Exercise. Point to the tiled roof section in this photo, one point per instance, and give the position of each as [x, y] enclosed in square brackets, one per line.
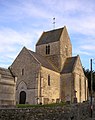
[69, 65]
[5, 72]
[50, 36]
[44, 62]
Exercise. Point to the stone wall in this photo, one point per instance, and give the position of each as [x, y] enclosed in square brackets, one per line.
[54, 55]
[59, 50]
[7, 88]
[65, 46]
[54, 49]
[67, 87]
[80, 82]
[73, 112]
[26, 69]
[50, 92]
[25, 62]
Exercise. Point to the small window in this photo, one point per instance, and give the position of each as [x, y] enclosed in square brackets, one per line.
[66, 50]
[48, 80]
[48, 49]
[22, 72]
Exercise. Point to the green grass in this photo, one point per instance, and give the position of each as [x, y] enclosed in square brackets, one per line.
[46, 105]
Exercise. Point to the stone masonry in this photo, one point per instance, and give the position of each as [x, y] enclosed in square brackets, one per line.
[51, 74]
[70, 112]
[7, 87]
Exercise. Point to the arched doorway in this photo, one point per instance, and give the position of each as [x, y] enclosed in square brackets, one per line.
[22, 99]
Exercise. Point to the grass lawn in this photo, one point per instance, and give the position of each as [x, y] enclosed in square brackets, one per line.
[46, 105]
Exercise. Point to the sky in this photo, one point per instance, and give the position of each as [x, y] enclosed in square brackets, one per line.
[23, 21]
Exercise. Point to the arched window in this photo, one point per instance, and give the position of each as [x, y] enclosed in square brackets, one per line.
[48, 80]
[22, 72]
[48, 49]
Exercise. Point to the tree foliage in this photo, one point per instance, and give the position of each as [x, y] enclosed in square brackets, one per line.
[87, 73]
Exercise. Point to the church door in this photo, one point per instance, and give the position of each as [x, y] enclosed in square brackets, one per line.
[22, 97]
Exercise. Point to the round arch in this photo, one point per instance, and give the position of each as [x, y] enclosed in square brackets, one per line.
[22, 97]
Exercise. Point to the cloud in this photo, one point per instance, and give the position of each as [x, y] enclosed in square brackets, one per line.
[11, 42]
[10, 37]
[77, 14]
[84, 45]
[80, 51]
[88, 47]
[22, 10]
[22, 22]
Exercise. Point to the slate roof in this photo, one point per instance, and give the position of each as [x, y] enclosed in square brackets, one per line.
[67, 68]
[69, 65]
[43, 61]
[5, 72]
[50, 36]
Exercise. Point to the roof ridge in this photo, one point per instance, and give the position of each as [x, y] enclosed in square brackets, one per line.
[30, 51]
[54, 29]
[50, 36]
[72, 57]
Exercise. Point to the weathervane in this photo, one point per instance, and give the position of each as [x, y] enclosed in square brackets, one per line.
[54, 23]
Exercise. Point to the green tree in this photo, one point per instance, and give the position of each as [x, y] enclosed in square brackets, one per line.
[87, 73]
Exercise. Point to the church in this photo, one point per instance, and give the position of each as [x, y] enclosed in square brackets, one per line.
[50, 74]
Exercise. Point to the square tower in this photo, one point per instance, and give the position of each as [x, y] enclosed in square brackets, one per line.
[56, 46]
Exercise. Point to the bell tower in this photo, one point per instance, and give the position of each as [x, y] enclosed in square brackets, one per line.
[55, 45]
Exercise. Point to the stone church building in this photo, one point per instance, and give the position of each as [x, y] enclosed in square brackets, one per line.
[50, 74]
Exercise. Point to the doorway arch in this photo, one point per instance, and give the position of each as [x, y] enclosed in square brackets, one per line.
[22, 99]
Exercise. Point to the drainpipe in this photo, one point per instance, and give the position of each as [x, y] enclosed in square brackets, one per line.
[40, 87]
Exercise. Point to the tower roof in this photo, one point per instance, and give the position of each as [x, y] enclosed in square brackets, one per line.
[50, 36]
[69, 65]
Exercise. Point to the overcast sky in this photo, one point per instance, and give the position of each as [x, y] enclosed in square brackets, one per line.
[23, 21]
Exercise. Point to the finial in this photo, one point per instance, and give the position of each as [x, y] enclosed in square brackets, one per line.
[54, 23]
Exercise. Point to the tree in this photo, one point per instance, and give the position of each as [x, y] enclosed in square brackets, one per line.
[87, 73]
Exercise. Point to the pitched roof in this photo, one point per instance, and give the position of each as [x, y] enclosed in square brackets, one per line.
[5, 72]
[43, 61]
[50, 36]
[69, 65]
